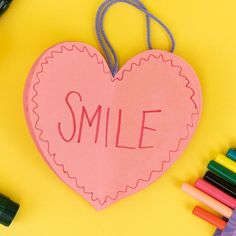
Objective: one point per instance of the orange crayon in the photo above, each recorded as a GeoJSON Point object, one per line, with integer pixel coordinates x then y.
{"type": "Point", "coordinates": [209, 217]}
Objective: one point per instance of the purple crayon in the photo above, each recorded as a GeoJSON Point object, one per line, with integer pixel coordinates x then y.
{"type": "Point", "coordinates": [230, 229]}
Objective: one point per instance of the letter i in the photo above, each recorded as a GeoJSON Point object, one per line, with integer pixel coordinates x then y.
{"type": "Point", "coordinates": [107, 126]}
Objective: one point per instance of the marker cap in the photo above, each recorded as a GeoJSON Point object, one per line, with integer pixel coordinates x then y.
{"type": "Point", "coordinates": [8, 210]}
{"type": "Point", "coordinates": [231, 154]}
{"type": "Point", "coordinates": [4, 4]}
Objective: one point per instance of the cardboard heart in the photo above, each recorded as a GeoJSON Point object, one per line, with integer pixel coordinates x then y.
{"type": "Point", "coordinates": [106, 137]}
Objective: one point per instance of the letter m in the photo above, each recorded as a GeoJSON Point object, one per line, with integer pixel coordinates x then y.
{"type": "Point", "coordinates": [96, 116]}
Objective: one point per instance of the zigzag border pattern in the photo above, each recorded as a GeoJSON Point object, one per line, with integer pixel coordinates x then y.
{"type": "Point", "coordinates": [94, 55]}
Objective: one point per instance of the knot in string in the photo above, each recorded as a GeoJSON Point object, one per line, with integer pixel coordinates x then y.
{"type": "Point", "coordinates": [107, 48]}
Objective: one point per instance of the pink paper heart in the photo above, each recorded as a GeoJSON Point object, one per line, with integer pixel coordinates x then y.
{"type": "Point", "coordinates": [106, 137]}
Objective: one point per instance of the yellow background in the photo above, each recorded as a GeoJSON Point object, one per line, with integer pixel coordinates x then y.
{"type": "Point", "coordinates": [205, 34]}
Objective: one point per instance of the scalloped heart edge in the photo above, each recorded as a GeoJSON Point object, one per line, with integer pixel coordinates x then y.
{"type": "Point", "coordinates": [132, 65]}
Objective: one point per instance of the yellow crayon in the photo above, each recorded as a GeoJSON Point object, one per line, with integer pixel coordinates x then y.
{"type": "Point", "coordinates": [226, 162]}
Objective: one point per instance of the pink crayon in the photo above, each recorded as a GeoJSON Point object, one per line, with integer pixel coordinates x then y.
{"type": "Point", "coordinates": [216, 193]}
{"type": "Point", "coordinates": [230, 228]}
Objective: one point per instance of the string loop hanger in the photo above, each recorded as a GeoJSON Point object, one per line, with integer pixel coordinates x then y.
{"type": "Point", "coordinates": [107, 48]}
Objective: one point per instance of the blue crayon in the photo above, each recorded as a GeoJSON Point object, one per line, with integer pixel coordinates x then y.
{"type": "Point", "coordinates": [231, 154]}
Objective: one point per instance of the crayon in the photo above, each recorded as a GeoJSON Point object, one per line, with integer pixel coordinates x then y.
{"type": "Point", "coordinates": [226, 162]}
{"type": "Point", "coordinates": [209, 217]}
{"type": "Point", "coordinates": [230, 229]}
{"type": "Point", "coordinates": [223, 172]}
{"type": "Point", "coordinates": [216, 193]}
{"type": "Point", "coordinates": [208, 200]}
{"type": "Point", "coordinates": [220, 183]}
{"type": "Point", "coordinates": [231, 154]}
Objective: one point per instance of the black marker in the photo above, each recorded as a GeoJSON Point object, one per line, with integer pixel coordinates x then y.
{"type": "Point", "coordinates": [4, 4]}
{"type": "Point", "coordinates": [220, 183]}
{"type": "Point", "coordinates": [8, 210]}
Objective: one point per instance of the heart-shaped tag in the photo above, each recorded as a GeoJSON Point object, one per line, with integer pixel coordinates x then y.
{"type": "Point", "coordinates": [106, 137]}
